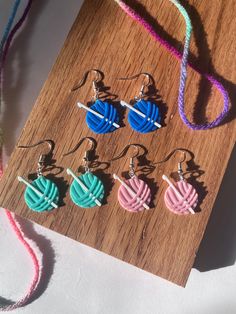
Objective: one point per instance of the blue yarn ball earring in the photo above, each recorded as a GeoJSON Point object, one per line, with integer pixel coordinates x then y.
{"type": "Point", "coordinates": [144, 115]}
{"type": "Point", "coordinates": [41, 194]}
{"type": "Point", "coordinates": [102, 117]}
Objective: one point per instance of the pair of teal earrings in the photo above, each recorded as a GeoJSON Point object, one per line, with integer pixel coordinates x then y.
{"type": "Point", "coordinates": [102, 117]}
{"type": "Point", "coordinates": [87, 190]}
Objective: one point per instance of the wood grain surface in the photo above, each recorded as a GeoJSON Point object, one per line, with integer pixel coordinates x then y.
{"type": "Point", "coordinates": [104, 37]}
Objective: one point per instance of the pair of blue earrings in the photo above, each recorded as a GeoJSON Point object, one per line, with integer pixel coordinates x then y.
{"type": "Point", "coordinates": [86, 190]}
{"type": "Point", "coordinates": [102, 117]}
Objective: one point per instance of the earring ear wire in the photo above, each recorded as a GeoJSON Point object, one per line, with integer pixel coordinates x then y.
{"type": "Point", "coordinates": [144, 116]}
{"type": "Point", "coordinates": [42, 194]}
{"type": "Point", "coordinates": [86, 190]}
{"type": "Point", "coordinates": [102, 117]}
{"type": "Point", "coordinates": [180, 198]}
{"type": "Point", "coordinates": [134, 194]}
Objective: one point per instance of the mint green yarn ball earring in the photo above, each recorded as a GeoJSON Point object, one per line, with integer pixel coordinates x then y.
{"type": "Point", "coordinates": [86, 190]}
{"type": "Point", "coordinates": [41, 194]}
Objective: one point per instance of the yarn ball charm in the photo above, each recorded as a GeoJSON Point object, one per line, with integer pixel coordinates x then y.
{"type": "Point", "coordinates": [44, 197]}
{"type": "Point", "coordinates": [144, 124]}
{"type": "Point", "coordinates": [104, 123]}
{"type": "Point", "coordinates": [180, 203]}
{"type": "Point", "coordinates": [87, 191]}
{"type": "Point", "coordinates": [134, 202]}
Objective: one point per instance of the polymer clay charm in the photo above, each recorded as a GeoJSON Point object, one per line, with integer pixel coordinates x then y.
{"type": "Point", "coordinates": [41, 194]}
{"type": "Point", "coordinates": [102, 117]}
{"type": "Point", "coordinates": [180, 197]}
{"type": "Point", "coordinates": [134, 194]}
{"type": "Point", "coordinates": [86, 190]}
{"type": "Point", "coordinates": [144, 115]}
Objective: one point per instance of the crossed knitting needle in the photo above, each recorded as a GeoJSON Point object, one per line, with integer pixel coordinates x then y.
{"type": "Point", "coordinates": [97, 114]}
{"type": "Point", "coordinates": [83, 186]}
{"type": "Point", "coordinates": [115, 176]}
{"type": "Point", "coordinates": [141, 114]}
{"type": "Point", "coordinates": [190, 209]}
{"type": "Point", "coordinates": [39, 193]}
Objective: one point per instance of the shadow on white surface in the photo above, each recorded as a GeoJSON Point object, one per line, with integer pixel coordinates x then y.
{"type": "Point", "coordinates": [218, 247]}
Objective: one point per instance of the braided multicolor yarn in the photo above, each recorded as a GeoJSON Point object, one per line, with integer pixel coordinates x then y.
{"type": "Point", "coordinates": [184, 62]}
{"type": "Point", "coordinates": [29, 245]}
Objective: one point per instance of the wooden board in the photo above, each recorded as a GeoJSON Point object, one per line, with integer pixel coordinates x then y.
{"type": "Point", "coordinates": [104, 37]}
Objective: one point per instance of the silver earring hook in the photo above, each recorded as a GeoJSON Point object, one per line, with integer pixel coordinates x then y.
{"type": "Point", "coordinates": [148, 82]}
{"type": "Point", "coordinates": [98, 78]}
{"type": "Point", "coordinates": [42, 157]}
{"type": "Point", "coordinates": [180, 162]}
{"type": "Point", "coordinates": [131, 162]}
{"type": "Point", "coordinates": [86, 159]}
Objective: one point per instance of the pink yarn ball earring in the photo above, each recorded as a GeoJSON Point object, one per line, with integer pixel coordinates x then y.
{"type": "Point", "coordinates": [180, 197]}
{"type": "Point", "coordinates": [134, 194]}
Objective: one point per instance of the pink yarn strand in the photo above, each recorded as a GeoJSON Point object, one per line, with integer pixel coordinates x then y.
{"type": "Point", "coordinates": [35, 260]}
{"type": "Point", "coordinates": [29, 247]}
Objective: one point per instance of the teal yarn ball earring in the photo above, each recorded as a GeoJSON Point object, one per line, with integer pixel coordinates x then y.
{"type": "Point", "coordinates": [41, 194]}
{"type": "Point", "coordinates": [86, 190]}
{"type": "Point", "coordinates": [101, 117]}
{"type": "Point", "coordinates": [144, 115]}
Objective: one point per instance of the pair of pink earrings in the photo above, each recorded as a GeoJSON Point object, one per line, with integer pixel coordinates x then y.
{"type": "Point", "coordinates": [134, 194]}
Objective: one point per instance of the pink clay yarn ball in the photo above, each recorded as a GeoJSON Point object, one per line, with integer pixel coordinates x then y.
{"type": "Point", "coordinates": [128, 201]}
{"type": "Point", "coordinates": [179, 205]}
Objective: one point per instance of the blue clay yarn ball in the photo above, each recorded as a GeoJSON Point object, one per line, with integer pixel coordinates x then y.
{"type": "Point", "coordinates": [104, 125]}
{"type": "Point", "coordinates": [152, 113]}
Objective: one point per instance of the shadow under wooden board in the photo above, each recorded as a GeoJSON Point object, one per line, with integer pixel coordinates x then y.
{"type": "Point", "coordinates": [103, 37]}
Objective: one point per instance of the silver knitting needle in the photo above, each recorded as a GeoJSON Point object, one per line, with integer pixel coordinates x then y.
{"type": "Point", "coordinates": [165, 178]}
{"type": "Point", "coordinates": [141, 114]}
{"type": "Point", "coordinates": [115, 176]}
{"type": "Point", "coordinates": [97, 114]}
{"type": "Point", "coordinates": [83, 186]}
{"type": "Point", "coordinates": [20, 179]}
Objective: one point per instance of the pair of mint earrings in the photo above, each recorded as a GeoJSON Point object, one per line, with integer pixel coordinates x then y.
{"type": "Point", "coordinates": [87, 190]}
{"type": "Point", "coordinates": [102, 117]}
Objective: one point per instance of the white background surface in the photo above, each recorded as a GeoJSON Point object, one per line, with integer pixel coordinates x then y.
{"type": "Point", "coordinates": [78, 279]}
